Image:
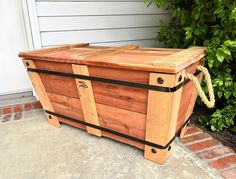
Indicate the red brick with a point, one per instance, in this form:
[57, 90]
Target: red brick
[216, 152]
[6, 118]
[17, 116]
[6, 110]
[203, 145]
[28, 106]
[196, 137]
[224, 162]
[193, 130]
[229, 174]
[37, 105]
[17, 108]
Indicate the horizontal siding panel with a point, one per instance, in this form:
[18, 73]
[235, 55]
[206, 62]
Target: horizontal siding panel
[142, 43]
[97, 36]
[89, 0]
[95, 8]
[99, 22]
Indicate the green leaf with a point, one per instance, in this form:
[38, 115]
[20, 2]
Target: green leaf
[220, 55]
[213, 128]
[226, 51]
[233, 129]
[148, 2]
[227, 94]
[230, 43]
[159, 3]
[233, 14]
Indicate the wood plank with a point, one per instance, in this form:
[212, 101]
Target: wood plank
[123, 140]
[41, 92]
[162, 115]
[124, 97]
[62, 47]
[87, 101]
[60, 85]
[187, 100]
[74, 124]
[67, 106]
[120, 74]
[182, 59]
[102, 52]
[123, 121]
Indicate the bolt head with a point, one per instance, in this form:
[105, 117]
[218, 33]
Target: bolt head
[160, 80]
[154, 150]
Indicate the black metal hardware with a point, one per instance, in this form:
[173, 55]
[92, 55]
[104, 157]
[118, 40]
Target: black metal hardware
[117, 133]
[118, 82]
[160, 80]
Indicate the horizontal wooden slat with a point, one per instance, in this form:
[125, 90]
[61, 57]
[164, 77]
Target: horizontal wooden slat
[97, 36]
[99, 22]
[95, 8]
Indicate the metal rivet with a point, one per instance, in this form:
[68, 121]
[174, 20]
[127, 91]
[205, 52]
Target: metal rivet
[180, 78]
[169, 148]
[154, 150]
[50, 117]
[160, 80]
[27, 64]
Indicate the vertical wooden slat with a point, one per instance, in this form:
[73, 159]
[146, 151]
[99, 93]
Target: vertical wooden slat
[41, 92]
[162, 115]
[87, 100]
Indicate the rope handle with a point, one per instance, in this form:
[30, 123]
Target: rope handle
[209, 103]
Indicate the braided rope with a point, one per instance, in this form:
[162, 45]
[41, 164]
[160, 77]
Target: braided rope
[209, 103]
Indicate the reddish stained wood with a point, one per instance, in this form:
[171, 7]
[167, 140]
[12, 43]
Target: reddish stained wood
[65, 105]
[54, 66]
[123, 97]
[75, 124]
[167, 60]
[124, 140]
[124, 121]
[188, 98]
[60, 85]
[120, 74]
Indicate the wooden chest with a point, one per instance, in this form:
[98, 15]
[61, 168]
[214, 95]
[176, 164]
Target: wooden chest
[138, 96]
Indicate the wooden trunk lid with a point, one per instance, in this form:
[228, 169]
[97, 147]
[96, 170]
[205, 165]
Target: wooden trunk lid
[125, 57]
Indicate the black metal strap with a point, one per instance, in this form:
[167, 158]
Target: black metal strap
[117, 133]
[118, 82]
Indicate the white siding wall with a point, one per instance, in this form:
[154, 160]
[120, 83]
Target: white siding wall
[105, 22]
[54, 22]
[13, 38]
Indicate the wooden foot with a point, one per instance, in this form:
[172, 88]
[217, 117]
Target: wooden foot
[53, 120]
[157, 155]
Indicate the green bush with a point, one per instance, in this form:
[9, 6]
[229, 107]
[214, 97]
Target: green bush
[209, 23]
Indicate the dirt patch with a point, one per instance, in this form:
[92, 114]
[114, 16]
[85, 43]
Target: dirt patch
[226, 137]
